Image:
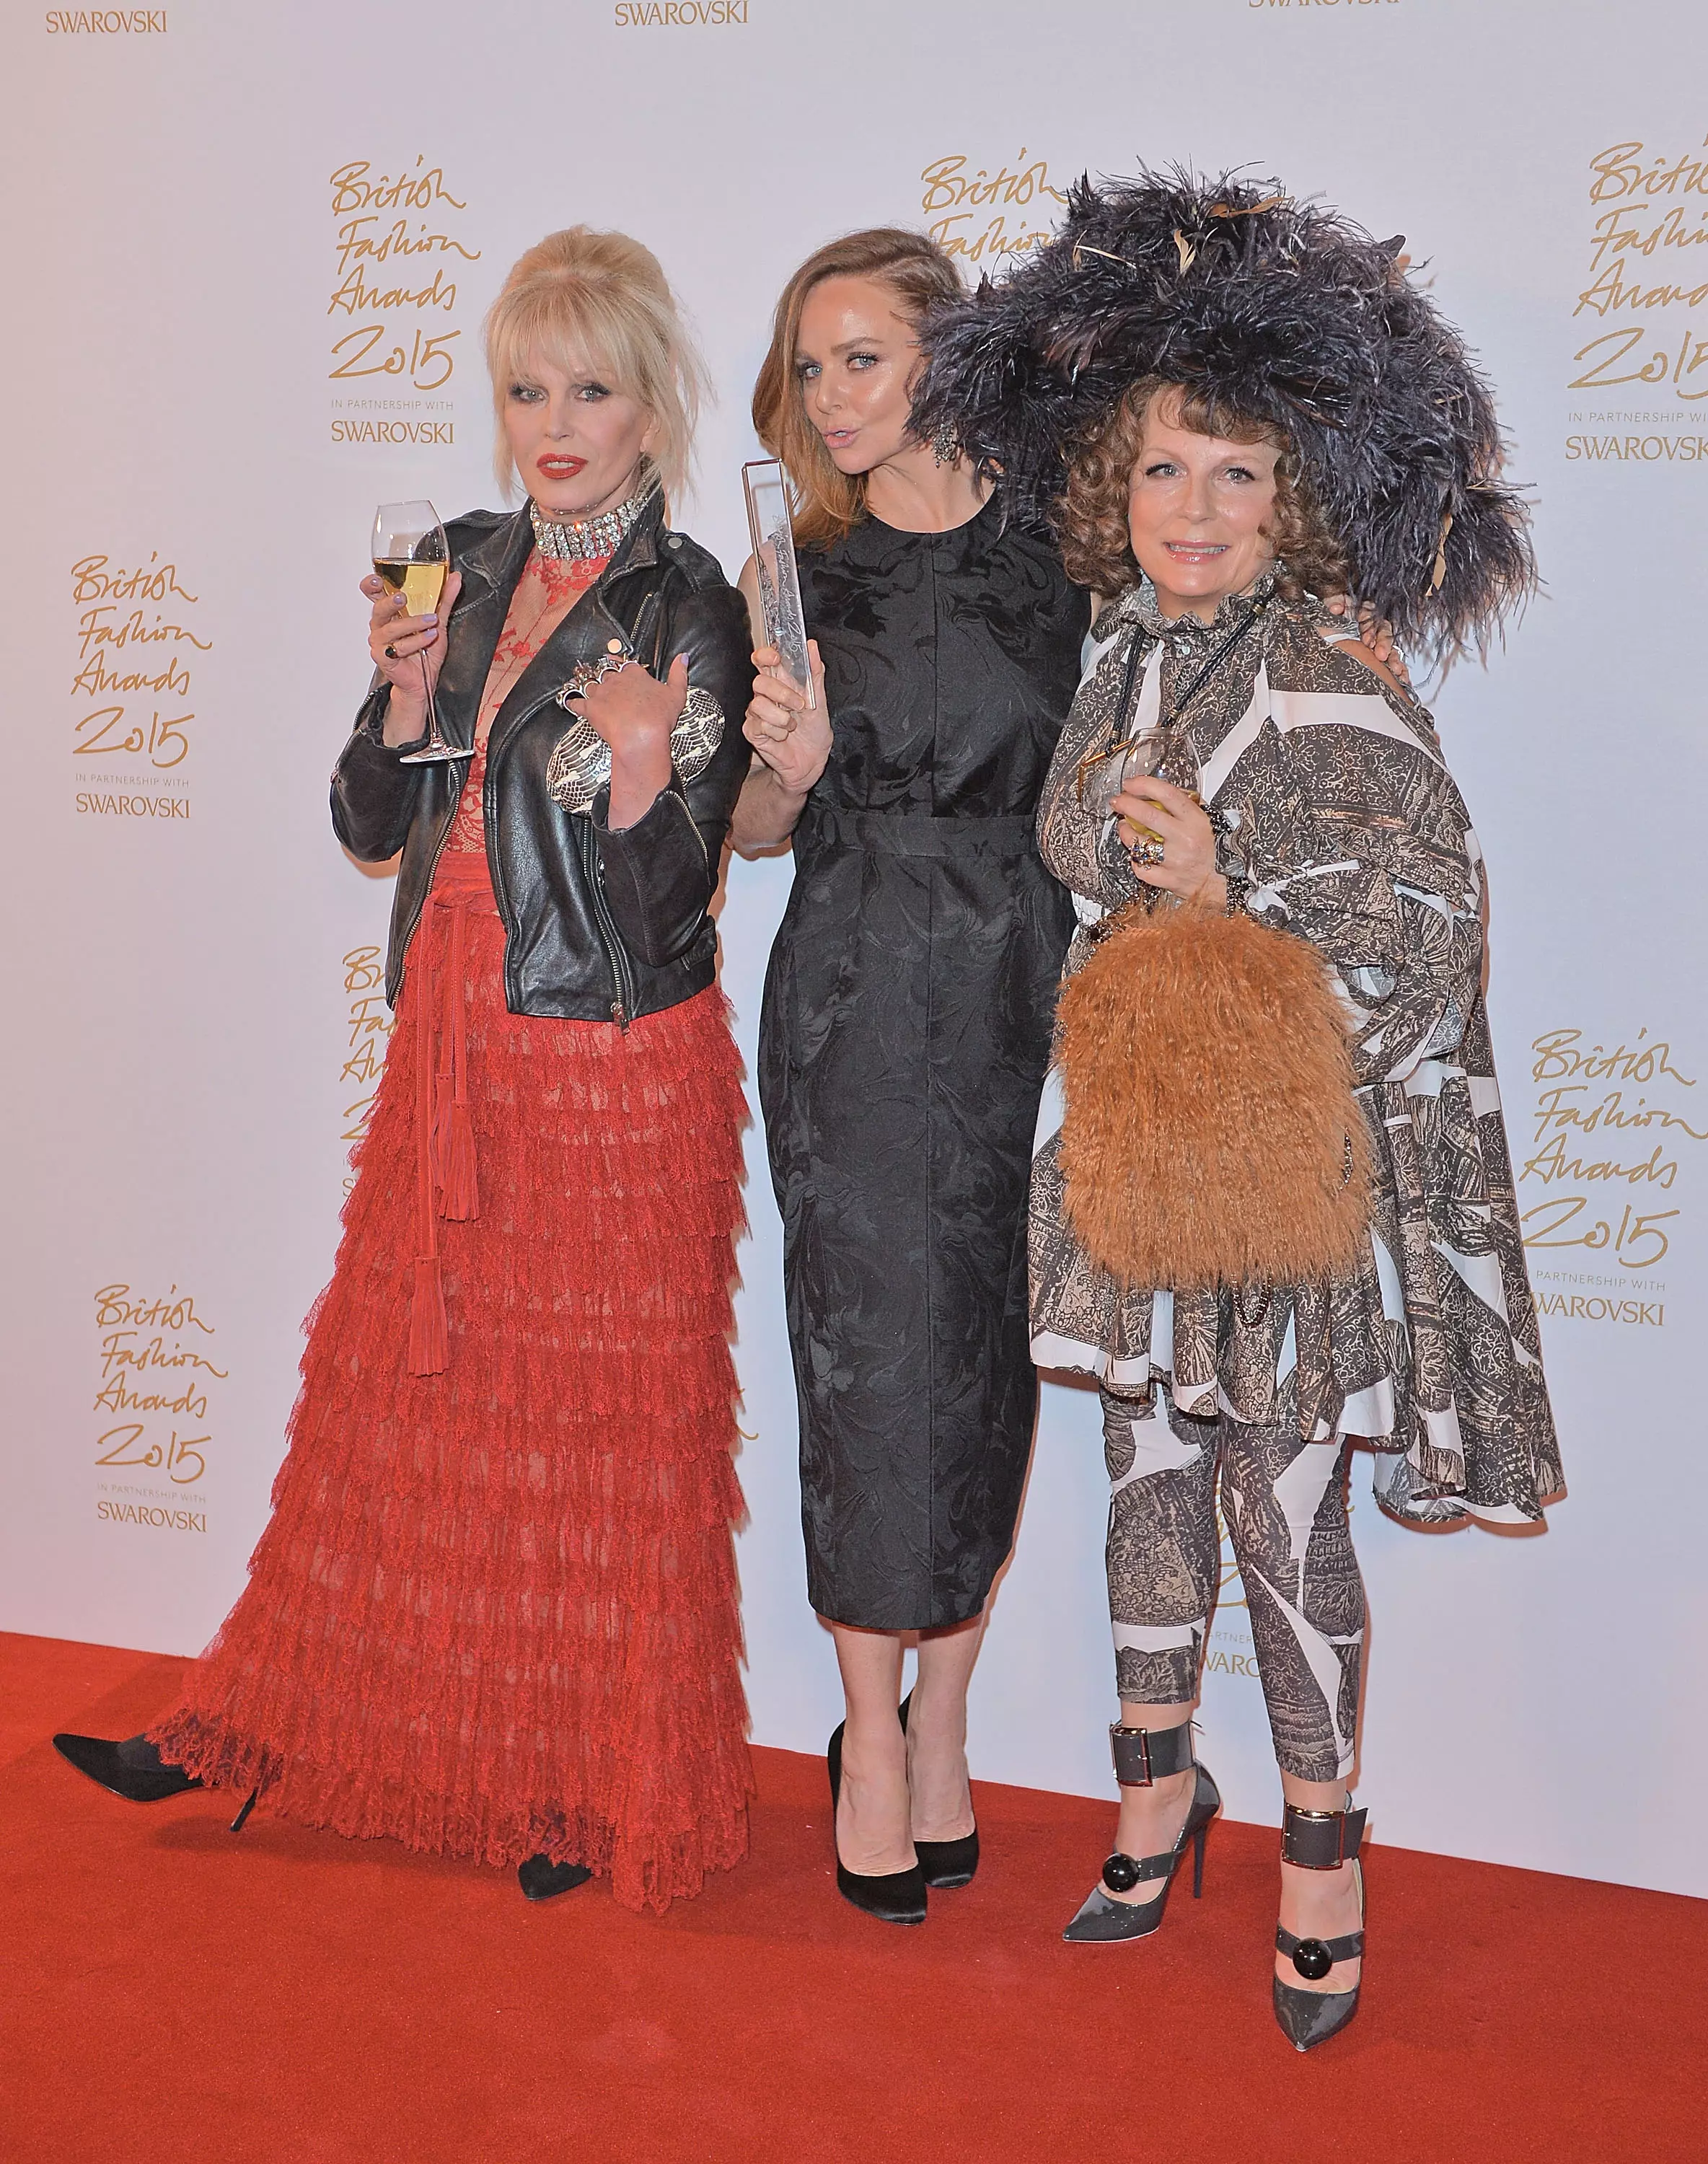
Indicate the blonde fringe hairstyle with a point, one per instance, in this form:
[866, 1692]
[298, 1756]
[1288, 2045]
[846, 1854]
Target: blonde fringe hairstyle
[582, 299]
[829, 503]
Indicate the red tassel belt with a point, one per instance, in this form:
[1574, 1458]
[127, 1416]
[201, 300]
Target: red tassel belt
[446, 1179]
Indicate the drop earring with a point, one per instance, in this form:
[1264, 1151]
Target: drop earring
[944, 450]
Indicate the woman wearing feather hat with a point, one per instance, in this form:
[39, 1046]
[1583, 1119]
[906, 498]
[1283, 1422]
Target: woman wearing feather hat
[1272, 1207]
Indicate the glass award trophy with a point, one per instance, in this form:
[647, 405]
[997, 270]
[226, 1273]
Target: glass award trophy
[769, 523]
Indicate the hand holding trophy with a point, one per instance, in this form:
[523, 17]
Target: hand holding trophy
[788, 723]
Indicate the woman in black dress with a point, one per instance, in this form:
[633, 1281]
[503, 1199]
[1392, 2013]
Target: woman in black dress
[905, 1029]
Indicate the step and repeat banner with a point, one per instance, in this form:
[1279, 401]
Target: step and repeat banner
[250, 248]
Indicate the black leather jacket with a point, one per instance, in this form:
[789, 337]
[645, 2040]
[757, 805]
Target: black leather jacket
[599, 926]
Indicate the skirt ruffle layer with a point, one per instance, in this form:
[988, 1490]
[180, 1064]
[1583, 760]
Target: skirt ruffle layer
[495, 1612]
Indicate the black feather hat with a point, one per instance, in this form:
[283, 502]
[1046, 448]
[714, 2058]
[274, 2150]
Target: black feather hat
[1278, 311]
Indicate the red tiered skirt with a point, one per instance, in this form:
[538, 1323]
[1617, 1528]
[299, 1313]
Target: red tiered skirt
[494, 1614]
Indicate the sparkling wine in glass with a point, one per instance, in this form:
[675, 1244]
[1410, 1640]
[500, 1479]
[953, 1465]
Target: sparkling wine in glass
[1166, 753]
[413, 556]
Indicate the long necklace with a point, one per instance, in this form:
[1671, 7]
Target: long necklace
[1183, 700]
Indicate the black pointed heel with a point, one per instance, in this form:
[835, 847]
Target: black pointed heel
[1319, 1841]
[541, 1879]
[894, 1896]
[133, 1769]
[1140, 1757]
[945, 1864]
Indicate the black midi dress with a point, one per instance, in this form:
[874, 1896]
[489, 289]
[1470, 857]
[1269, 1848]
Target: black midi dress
[904, 1040]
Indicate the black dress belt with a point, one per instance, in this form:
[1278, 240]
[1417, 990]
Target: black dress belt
[915, 835]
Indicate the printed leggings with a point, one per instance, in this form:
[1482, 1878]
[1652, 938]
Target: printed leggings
[1285, 1502]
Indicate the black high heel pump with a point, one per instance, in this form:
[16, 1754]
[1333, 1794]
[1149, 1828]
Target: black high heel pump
[1141, 1756]
[540, 1878]
[945, 1863]
[1319, 1841]
[894, 1896]
[133, 1769]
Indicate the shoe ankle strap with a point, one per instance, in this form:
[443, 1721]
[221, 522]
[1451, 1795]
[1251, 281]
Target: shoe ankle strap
[1320, 1840]
[1349, 1948]
[1144, 1755]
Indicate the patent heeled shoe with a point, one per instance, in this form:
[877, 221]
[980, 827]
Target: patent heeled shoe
[894, 1896]
[133, 1769]
[945, 1864]
[541, 1879]
[1141, 1756]
[1319, 1841]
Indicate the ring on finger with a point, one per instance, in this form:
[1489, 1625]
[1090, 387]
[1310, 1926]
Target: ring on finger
[390, 654]
[1147, 853]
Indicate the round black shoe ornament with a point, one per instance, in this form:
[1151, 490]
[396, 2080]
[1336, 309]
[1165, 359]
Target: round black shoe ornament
[1120, 1873]
[1312, 1959]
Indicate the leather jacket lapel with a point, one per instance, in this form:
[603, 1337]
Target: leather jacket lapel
[601, 614]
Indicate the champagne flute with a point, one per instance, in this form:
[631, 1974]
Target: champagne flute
[1165, 753]
[413, 556]
[1169, 755]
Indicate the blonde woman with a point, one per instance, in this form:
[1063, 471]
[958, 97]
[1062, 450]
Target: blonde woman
[494, 1613]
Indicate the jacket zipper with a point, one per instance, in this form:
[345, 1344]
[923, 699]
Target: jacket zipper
[623, 1006]
[489, 827]
[649, 606]
[463, 601]
[427, 889]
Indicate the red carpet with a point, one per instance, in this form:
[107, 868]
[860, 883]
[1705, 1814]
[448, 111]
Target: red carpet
[289, 1998]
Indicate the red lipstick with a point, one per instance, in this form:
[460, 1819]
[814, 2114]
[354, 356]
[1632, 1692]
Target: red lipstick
[558, 465]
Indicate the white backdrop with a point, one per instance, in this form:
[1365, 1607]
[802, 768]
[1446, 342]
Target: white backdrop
[222, 353]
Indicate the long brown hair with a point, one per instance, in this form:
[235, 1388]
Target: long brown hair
[829, 503]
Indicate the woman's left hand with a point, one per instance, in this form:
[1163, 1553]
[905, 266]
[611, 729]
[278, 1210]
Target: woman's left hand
[1181, 824]
[635, 714]
[632, 709]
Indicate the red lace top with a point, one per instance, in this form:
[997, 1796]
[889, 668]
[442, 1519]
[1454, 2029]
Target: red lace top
[545, 593]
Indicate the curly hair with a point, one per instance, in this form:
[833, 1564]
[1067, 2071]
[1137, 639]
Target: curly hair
[1090, 515]
[922, 277]
[1278, 311]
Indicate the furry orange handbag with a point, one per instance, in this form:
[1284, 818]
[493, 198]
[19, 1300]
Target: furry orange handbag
[1211, 1135]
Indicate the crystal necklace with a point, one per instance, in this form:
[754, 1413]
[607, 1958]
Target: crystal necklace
[600, 536]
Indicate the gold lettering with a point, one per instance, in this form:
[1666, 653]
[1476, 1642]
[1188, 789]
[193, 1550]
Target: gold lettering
[373, 229]
[128, 648]
[1596, 1089]
[150, 1364]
